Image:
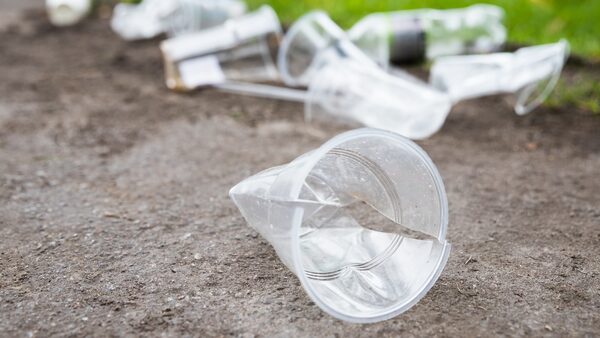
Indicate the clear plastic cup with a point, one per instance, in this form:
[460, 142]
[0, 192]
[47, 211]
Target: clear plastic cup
[241, 49]
[412, 35]
[361, 221]
[346, 84]
[67, 12]
[347, 90]
[530, 73]
[174, 17]
[306, 39]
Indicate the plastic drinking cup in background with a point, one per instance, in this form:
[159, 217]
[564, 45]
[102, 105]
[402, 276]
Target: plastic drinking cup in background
[412, 35]
[240, 49]
[530, 74]
[174, 17]
[308, 38]
[67, 12]
[344, 83]
[361, 221]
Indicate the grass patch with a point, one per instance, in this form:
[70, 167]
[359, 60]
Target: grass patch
[581, 91]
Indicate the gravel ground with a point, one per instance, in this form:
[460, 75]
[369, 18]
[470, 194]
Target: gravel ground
[115, 220]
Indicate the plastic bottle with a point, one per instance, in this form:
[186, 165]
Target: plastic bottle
[408, 36]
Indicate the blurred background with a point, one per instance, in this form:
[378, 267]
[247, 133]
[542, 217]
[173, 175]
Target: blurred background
[528, 22]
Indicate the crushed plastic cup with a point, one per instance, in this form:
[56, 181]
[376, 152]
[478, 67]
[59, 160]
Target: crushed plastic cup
[530, 74]
[345, 84]
[346, 90]
[174, 17]
[67, 12]
[241, 49]
[361, 221]
[412, 35]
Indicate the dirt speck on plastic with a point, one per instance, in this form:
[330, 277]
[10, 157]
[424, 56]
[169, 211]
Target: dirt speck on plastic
[115, 220]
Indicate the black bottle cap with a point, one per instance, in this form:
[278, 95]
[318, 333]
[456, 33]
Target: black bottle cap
[407, 41]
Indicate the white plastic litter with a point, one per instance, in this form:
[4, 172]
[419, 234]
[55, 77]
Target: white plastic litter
[412, 35]
[344, 83]
[345, 89]
[261, 90]
[357, 265]
[238, 50]
[530, 74]
[174, 17]
[67, 12]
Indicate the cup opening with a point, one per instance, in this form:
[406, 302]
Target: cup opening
[307, 37]
[531, 96]
[375, 243]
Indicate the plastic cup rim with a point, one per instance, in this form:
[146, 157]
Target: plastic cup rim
[297, 220]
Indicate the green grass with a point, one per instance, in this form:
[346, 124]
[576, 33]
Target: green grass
[528, 21]
[582, 91]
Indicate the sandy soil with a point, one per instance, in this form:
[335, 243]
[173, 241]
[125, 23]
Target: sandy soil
[115, 220]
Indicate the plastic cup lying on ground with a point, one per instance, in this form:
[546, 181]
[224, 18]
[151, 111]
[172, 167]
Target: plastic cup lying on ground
[240, 49]
[530, 74]
[174, 17]
[67, 12]
[361, 221]
[348, 91]
[412, 35]
[344, 83]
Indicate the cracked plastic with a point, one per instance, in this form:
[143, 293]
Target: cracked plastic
[361, 221]
[530, 74]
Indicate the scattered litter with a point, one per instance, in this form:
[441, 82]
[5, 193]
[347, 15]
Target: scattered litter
[344, 83]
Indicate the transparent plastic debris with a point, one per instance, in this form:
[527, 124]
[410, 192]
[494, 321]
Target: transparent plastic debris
[361, 221]
[262, 90]
[173, 17]
[67, 12]
[309, 37]
[348, 91]
[345, 84]
[530, 74]
[370, 98]
[241, 49]
[408, 36]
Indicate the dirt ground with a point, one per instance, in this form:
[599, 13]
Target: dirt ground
[115, 219]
